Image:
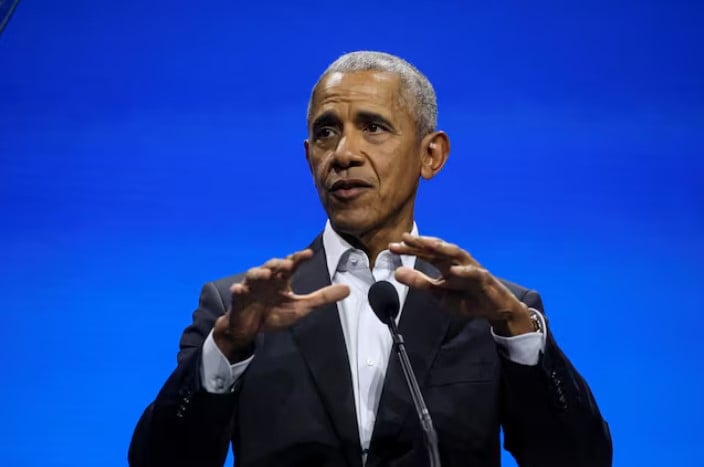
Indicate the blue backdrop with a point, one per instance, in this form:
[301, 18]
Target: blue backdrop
[147, 147]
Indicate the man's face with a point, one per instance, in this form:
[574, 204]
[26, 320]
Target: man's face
[363, 152]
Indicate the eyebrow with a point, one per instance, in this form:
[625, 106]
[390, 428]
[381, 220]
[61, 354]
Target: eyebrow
[327, 118]
[366, 116]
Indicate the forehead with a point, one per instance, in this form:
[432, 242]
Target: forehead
[374, 90]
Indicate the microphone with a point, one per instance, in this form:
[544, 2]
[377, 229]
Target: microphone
[383, 299]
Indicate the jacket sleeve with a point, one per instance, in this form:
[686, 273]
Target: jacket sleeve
[549, 415]
[185, 425]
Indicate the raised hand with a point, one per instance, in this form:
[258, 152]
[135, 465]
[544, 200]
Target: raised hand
[464, 285]
[265, 302]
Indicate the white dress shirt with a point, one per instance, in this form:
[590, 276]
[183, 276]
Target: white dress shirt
[367, 339]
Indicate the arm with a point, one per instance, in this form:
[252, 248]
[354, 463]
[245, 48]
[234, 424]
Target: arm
[186, 425]
[549, 415]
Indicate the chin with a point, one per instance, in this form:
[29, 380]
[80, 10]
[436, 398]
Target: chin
[351, 223]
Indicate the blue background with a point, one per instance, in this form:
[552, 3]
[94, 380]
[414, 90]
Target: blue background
[147, 147]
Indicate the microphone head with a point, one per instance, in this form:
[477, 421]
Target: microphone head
[383, 299]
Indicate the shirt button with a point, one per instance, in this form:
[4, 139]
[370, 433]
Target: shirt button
[370, 362]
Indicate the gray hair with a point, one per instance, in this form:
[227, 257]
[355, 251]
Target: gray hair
[416, 90]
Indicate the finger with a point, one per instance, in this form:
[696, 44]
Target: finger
[471, 272]
[275, 263]
[302, 305]
[441, 262]
[466, 278]
[402, 248]
[424, 253]
[290, 260]
[239, 288]
[437, 245]
[280, 268]
[419, 241]
[283, 268]
[439, 248]
[433, 250]
[257, 274]
[289, 264]
[414, 278]
[300, 256]
[329, 294]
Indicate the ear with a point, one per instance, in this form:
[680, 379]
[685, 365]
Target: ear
[435, 149]
[306, 148]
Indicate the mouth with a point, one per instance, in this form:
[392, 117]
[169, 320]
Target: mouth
[349, 188]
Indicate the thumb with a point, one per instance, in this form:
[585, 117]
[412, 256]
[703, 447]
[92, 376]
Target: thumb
[413, 278]
[329, 294]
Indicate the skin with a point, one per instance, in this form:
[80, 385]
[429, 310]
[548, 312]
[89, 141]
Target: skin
[366, 160]
[361, 136]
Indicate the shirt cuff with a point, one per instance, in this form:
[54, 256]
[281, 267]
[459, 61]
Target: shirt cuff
[217, 375]
[524, 349]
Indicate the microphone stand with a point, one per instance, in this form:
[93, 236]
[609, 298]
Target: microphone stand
[431, 437]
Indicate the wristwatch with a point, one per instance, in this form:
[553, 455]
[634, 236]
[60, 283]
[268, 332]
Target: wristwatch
[536, 320]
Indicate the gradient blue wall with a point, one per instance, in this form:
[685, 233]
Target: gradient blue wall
[147, 147]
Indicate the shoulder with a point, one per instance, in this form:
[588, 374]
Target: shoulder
[223, 284]
[222, 287]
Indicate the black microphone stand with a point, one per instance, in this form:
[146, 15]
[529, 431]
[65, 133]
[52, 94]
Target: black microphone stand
[431, 437]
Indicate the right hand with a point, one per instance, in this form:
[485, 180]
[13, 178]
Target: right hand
[265, 302]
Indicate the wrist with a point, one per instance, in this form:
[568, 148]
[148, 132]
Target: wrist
[515, 322]
[234, 347]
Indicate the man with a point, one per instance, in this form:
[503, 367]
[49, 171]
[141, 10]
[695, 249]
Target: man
[289, 362]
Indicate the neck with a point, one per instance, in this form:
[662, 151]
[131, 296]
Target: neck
[375, 241]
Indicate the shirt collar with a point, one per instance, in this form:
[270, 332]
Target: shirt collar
[335, 247]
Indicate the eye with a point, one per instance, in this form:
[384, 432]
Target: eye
[324, 133]
[373, 127]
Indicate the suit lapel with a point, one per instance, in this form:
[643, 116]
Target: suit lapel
[320, 339]
[423, 326]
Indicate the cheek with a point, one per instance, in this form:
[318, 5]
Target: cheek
[397, 173]
[317, 164]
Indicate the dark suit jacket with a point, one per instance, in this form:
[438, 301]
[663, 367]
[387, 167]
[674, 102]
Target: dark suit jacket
[294, 406]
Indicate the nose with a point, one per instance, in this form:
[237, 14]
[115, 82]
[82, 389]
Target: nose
[347, 153]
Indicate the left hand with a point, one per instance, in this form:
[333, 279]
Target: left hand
[464, 285]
